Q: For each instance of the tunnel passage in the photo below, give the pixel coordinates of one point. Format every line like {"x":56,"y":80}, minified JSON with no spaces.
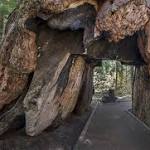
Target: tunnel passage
{"x":53,"y":50}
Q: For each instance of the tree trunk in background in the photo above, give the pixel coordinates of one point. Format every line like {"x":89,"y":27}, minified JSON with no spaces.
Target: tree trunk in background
{"x":141,"y":94}
{"x":116,"y":83}
{"x":87,"y":90}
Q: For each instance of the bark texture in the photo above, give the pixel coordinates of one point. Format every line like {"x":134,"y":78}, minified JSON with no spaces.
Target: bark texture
{"x":12,"y":118}
{"x":55,"y":41}
{"x":11,"y":85}
{"x":141,"y":94}
{"x":121,"y":18}
{"x":87,"y":90}
{"x":141,"y":97}
{"x":57,"y":98}
{"x":126,"y":51}
{"x":144,"y":43}
{"x":54,"y":89}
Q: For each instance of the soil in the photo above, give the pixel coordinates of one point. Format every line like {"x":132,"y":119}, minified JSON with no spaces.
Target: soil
{"x":63,"y":137}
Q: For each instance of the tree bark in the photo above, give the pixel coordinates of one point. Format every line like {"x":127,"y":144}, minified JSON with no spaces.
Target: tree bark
{"x":117,"y":19}
{"x":54,"y":41}
{"x":56,"y":82}
{"x":11,"y":85}
{"x":141,"y":94}
{"x":87,"y":90}
{"x":59,"y":94}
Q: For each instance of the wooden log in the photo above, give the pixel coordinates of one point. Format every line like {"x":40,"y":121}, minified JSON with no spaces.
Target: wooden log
{"x":13,"y":118}
{"x":141,"y":94}
{"x":12,"y":115}
{"x":87,"y":90}
{"x":73,"y":19}
{"x":70,"y":94}
{"x":58,"y":75}
{"x":56,"y":40}
{"x":62,"y":5}
{"x":41,"y":108}
{"x":23,"y":57}
{"x":126,"y":50}
{"x":82,"y":17}
{"x":11,"y":85}
{"x":18,"y":56}
{"x":143,"y":43}
{"x":121,"y":18}
{"x":45,"y":102}
{"x":18,"y":48}
{"x":55,"y":76}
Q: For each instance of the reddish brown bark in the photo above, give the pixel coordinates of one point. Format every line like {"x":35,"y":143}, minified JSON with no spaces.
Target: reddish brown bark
{"x":58,"y":58}
{"x":87,"y":90}
{"x":12,"y":85}
{"x":121,"y":18}
{"x":141,"y":94}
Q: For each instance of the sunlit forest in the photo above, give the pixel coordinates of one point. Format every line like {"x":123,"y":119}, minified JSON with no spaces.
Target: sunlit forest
{"x":6,"y":7}
{"x":110,"y":75}
{"x":113,"y":75}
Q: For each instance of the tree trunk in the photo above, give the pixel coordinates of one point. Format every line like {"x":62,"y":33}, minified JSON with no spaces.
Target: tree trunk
{"x":57,"y":80}
{"x":141,"y":94}
{"x":87,"y":90}
{"x":54,"y":41}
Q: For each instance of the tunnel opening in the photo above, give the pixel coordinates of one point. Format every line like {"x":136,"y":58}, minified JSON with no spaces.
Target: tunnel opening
{"x":61,"y":47}
{"x":65,"y":55}
{"x":113,"y":76}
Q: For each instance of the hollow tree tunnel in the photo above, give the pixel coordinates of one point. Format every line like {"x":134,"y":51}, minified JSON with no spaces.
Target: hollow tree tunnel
{"x":50,"y":48}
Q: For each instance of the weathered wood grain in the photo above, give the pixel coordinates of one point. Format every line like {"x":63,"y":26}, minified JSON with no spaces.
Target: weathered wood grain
{"x":57,"y":52}
{"x":11,"y":85}
{"x":87,"y":90}
{"x":13,"y":117}
{"x":40,"y":107}
{"x":126,"y":50}
{"x":53,"y":73}
{"x":121,"y":18}
{"x":141,"y":94}
{"x":70,"y":94}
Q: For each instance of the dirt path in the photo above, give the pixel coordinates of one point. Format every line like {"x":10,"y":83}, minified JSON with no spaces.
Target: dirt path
{"x":113,"y":128}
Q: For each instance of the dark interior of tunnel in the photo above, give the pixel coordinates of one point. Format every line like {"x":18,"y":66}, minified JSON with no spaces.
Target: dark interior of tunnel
{"x":67,"y":53}
{"x":98,"y":50}
{"x":76,"y":29}
{"x":126,"y":51}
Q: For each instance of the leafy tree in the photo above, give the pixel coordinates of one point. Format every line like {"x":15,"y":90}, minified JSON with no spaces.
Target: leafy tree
{"x":6,"y":7}
{"x":113,"y":75}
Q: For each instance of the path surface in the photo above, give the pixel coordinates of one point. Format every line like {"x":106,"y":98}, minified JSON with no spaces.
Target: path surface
{"x":62,"y":138}
{"x":113,"y":128}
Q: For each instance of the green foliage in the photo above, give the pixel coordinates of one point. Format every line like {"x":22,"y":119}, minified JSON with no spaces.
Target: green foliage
{"x":104,"y":76}
{"x":113,"y":75}
{"x":6,"y":7}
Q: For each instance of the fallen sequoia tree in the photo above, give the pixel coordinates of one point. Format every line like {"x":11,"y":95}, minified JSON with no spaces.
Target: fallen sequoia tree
{"x":50,"y":48}
{"x":141,"y":94}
